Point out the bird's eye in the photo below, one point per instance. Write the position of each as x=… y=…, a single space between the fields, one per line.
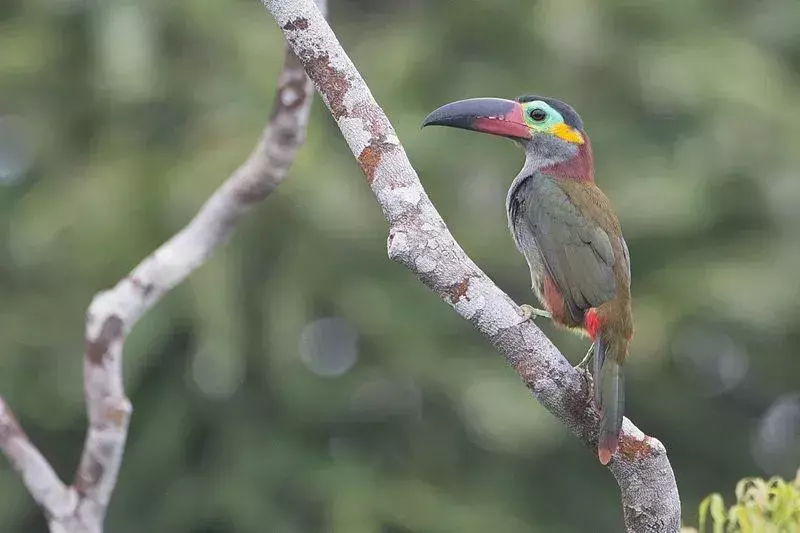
x=537 y=114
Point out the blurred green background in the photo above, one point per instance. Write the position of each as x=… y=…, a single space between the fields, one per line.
x=302 y=382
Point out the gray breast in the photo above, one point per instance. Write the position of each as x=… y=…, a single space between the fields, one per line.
x=517 y=209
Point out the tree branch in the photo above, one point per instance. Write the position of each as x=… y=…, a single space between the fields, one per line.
x=420 y=240
x=37 y=474
x=81 y=508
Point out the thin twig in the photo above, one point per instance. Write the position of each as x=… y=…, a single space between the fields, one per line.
x=420 y=240
x=81 y=507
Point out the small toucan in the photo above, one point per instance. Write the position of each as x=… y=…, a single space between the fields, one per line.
x=565 y=227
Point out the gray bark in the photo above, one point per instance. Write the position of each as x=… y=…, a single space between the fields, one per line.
x=419 y=240
x=81 y=507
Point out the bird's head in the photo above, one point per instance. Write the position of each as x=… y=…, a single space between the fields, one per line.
x=548 y=129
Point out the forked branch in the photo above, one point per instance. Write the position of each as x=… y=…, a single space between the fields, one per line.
x=81 y=507
x=420 y=240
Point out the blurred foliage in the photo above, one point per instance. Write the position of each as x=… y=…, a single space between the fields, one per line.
x=761 y=506
x=300 y=381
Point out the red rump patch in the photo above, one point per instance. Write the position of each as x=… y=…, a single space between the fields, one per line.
x=592 y=323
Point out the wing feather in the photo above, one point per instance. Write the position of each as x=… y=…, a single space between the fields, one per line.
x=576 y=251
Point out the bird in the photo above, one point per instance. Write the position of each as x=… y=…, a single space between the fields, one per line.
x=566 y=228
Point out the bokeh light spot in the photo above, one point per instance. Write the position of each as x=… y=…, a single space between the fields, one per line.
x=329 y=346
x=217 y=374
x=776 y=442
x=16 y=149
x=715 y=359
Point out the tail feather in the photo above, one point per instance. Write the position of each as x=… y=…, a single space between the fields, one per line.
x=609 y=391
x=599 y=359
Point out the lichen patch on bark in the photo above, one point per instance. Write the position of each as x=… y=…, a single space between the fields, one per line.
x=291 y=94
x=529 y=372
x=118 y=415
x=299 y=23
x=372 y=118
x=110 y=331
x=370 y=158
x=146 y=288
x=332 y=83
x=457 y=291
x=88 y=477
x=633 y=449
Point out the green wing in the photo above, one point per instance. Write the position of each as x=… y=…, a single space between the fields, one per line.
x=575 y=250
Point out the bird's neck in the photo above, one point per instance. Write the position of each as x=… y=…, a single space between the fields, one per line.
x=576 y=165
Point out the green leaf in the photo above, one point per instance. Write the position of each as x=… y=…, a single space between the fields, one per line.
x=759 y=493
x=741 y=488
x=762 y=506
x=742 y=519
x=717 y=508
x=703 y=511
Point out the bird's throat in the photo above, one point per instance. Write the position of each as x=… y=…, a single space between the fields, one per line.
x=578 y=167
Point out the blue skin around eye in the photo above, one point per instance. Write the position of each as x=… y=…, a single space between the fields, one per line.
x=553 y=116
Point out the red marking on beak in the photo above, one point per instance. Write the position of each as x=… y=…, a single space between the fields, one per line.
x=512 y=124
x=487 y=115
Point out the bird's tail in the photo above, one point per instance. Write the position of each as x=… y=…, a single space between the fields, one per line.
x=609 y=393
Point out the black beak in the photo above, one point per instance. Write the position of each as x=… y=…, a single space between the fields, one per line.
x=487 y=115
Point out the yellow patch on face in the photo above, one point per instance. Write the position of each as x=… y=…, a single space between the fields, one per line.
x=568 y=134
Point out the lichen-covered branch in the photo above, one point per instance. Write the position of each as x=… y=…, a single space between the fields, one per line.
x=420 y=240
x=37 y=474
x=113 y=313
x=81 y=507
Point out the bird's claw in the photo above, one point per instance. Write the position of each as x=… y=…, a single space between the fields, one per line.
x=529 y=312
x=586 y=359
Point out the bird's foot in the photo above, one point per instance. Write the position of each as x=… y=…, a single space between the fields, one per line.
x=583 y=365
x=583 y=368
x=529 y=312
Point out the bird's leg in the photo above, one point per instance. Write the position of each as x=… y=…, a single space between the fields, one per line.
x=529 y=312
x=586 y=359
